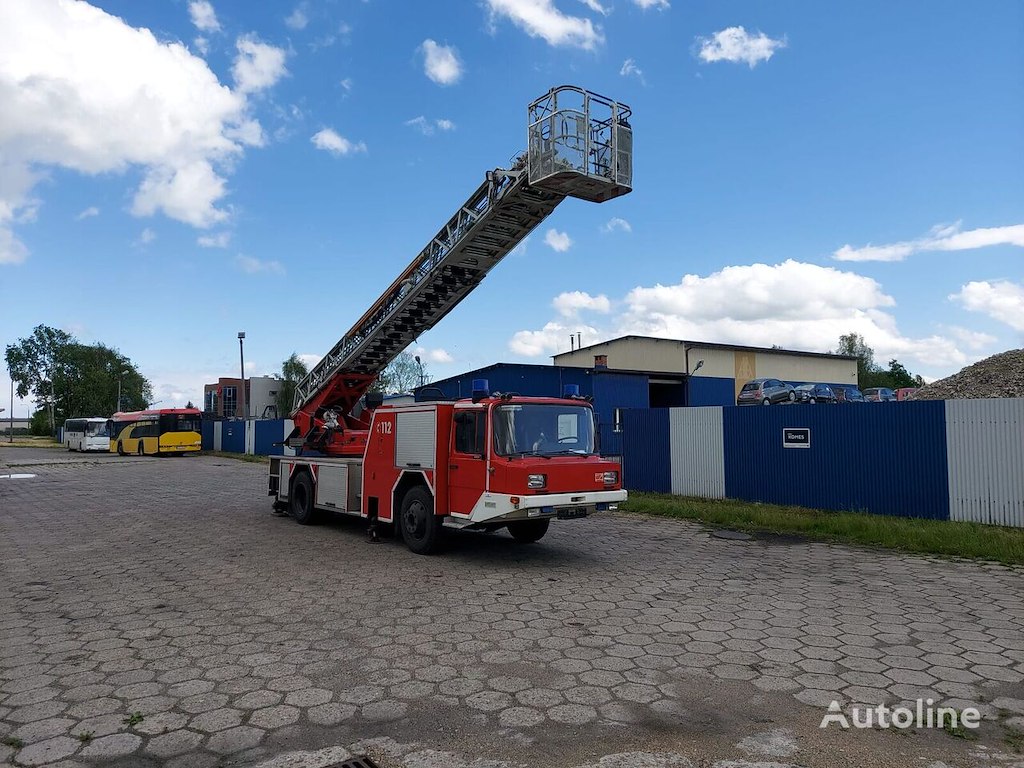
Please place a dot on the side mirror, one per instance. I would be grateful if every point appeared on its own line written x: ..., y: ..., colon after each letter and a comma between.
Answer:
x: 374, y: 400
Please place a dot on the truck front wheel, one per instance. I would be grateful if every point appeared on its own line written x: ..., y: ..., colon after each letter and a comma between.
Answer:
x: 303, y: 498
x: 528, y: 531
x: 421, y: 528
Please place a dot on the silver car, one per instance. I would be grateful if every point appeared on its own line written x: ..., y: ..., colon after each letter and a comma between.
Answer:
x: 766, y: 392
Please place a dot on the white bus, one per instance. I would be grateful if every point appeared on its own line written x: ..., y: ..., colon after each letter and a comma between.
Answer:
x: 86, y: 435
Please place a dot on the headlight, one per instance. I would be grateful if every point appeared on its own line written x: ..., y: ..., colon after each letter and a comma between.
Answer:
x: 536, y: 481
x: 611, y: 478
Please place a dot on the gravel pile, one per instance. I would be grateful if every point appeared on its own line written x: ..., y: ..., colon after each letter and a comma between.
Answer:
x: 1001, y: 375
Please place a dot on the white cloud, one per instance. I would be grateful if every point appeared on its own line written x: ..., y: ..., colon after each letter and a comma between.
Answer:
x: 551, y: 339
x: 254, y: 266
x: 630, y: 69
x: 187, y: 193
x: 540, y: 18
x: 735, y: 44
x: 973, y: 340
x: 437, y: 355
x: 441, y: 63
x: 299, y: 18
x: 570, y: 303
x: 203, y: 16
x: 792, y: 304
x: 429, y: 127
x: 146, y: 237
x: 559, y: 241
x: 943, y: 237
x: 310, y: 360
x: 88, y: 213
x: 12, y: 250
x: 258, y: 65
x: 616, y: 224
x: 219, y: 240
x: 347, y: 84
x: 1001, y: 300
x: 596, y: 7
x: 661, y: 5
x: 331, y: 141
x: 71, y: 103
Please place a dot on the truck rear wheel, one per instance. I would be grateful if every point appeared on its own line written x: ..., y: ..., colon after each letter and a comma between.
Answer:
x: 528, y: 531
x: 421, y: 528
x: 303, y: 498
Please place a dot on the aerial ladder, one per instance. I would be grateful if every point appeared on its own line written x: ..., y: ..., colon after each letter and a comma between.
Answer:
x: 579, y: 144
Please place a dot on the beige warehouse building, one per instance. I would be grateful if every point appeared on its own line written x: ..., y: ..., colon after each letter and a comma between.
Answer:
x: 715, y: 372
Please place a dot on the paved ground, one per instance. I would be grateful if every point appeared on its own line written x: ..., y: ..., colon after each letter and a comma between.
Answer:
x: 165, y: 587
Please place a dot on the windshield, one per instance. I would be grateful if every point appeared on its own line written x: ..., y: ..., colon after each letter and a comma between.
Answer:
x: 97, y: 429
x: 180, y: 422
x: 543, y: 430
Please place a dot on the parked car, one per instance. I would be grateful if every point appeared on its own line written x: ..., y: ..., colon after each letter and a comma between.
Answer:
x: 904, y: 392
x: 879, y: 395
x: 815, y: 393
x: 766, y: 392
x: 848, y: 395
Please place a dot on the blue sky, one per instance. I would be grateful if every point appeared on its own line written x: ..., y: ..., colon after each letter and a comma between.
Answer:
x: 172, y: 173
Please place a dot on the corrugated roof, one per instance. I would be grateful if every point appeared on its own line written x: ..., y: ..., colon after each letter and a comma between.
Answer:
x: 709, y: 345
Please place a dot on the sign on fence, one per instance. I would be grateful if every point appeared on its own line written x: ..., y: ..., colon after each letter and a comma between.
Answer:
x: 796, y: 437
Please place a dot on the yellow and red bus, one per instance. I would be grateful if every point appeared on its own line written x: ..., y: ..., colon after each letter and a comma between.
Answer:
x: 167, y: 431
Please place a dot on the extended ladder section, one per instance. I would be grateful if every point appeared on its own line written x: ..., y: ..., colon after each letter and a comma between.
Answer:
x: 580, y: 145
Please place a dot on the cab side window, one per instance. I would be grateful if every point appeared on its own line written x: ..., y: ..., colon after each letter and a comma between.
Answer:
x: 469, y: 432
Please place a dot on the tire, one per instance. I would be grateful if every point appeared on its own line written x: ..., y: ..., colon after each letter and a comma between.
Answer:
x: 421, y: 528
x: 792, y: 396
x: 812, y: 401
x: 302, y: 499
x: 766, y: 401
x: 528, y: 531
x: 120, y: 449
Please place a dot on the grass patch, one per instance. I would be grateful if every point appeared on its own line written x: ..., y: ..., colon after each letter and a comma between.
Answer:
x: 12, y: 741
x: 238, y: 457
x: 134, y: 719
x: 932, y: 537
x: 29, y: 441
x: 86, y: 736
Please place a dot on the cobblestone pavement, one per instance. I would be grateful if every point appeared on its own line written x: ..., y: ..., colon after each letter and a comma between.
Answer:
x: 154, y: 612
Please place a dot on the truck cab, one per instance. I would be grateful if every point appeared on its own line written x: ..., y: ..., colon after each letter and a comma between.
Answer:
x: 485, y: 464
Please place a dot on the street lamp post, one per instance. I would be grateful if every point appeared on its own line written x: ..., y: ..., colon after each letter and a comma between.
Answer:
x: 120, y: 376
x: 241, y: 357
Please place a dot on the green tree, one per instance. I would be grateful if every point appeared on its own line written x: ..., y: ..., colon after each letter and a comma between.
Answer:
x: 293, y: 371
x: 68, y: 379
x: 899, y: 376
x: 869, y: 373
x: 33, y: 364
x: 88, y: 383
x: 40, y: 423
x: 403, y: 374
x: 853, y: 344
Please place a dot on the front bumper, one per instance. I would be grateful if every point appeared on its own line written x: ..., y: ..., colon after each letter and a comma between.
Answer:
x: 498, y: 507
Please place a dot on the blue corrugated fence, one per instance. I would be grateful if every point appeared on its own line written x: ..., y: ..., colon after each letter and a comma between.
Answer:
x: 916, y: 459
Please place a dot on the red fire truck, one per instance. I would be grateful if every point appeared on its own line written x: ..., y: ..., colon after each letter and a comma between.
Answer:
x: 498, y: 459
